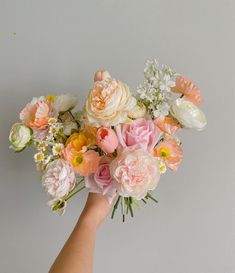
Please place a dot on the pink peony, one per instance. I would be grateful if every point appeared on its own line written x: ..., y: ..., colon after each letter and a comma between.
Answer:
x: 136, y: 172
x: 107, y: 139
x: 102, y: 182
x: 59, y: 178
x: 37, y: 113
x: 188, y: 89
x: 140, y: 133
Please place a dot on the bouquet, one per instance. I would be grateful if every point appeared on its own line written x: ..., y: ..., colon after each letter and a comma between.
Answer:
x: 118, y: 145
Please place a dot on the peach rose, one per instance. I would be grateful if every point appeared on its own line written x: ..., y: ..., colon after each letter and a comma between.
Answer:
x: 108, y: 103
x: 136, y: 172
x: 188, y: 89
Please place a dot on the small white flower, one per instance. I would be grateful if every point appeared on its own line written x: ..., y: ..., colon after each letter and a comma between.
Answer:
x: 39, y: 157
x: 52, y: 121
x: 41, y: 146
x: 162, y: 166
x: 57, y: 148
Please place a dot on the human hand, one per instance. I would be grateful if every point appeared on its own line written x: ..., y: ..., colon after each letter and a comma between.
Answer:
x: 96, y: 209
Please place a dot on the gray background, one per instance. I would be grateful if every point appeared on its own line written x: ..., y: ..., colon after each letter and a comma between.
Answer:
x: 55, y: 46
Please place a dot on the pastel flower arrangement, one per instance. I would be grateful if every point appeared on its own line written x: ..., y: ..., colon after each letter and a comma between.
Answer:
x: 118, y: 145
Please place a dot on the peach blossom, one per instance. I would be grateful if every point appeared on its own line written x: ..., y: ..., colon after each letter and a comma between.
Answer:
x: 167, y: 125
x: 37, y: 113
x: 188, y: 89
x: 107, y: 139
x: 170, y: 151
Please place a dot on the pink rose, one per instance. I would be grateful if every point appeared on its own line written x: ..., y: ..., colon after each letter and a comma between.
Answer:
x: 102, y: 182
x: 142, y: 133
x: 107, y: 140
x: 136, y: 172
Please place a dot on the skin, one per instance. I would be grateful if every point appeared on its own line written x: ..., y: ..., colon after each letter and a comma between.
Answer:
x: 77, y: 254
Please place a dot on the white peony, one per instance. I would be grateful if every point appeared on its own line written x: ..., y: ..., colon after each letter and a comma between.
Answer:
x: 64, y: 103
x: 19, y: 137
x: 188, y: 114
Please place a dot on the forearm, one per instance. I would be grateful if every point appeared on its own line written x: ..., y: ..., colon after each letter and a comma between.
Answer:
x: 77, y: 254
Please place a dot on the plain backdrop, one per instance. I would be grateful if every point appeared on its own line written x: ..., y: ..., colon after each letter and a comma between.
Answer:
x: 55, y: 46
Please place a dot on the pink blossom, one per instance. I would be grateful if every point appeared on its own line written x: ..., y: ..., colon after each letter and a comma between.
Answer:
x: 102, y: 182
x: 107, y: 139
x: 142, y: 133
x: 136, y: 172
x: 59, y: 178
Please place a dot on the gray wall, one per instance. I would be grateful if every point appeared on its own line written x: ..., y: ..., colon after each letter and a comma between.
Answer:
x: 54, y: 47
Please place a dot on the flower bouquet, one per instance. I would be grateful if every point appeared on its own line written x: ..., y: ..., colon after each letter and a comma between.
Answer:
x: 118, y: 145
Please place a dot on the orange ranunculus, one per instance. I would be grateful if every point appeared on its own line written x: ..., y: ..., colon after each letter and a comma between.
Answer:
x: 188, y: 89
x: 83, y: 161
x: 167, y: 125
x: 170, y: 151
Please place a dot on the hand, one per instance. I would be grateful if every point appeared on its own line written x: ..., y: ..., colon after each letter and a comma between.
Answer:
x: 96, y: 209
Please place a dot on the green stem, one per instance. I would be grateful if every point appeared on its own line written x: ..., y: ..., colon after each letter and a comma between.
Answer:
x: 115, y: 206
x: 73, y: 193
x: 122, y: 207
x: 130, y: 206
x: 151, y: 197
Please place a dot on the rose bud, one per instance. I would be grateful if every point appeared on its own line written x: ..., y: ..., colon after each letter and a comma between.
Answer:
x: 107, y: 139
x: 101, y: 75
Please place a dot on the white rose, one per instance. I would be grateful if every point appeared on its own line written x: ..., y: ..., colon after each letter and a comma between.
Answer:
x: 68, y: 126
x: 108, y: 103
x: 188, y: 114
x: 64, y: 103
x: 138, y: 111
x: 19, y: 137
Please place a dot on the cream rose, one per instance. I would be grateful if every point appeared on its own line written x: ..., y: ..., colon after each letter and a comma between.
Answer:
x: 108, y: 103
x: 188, y: 114
x: 19, y: 137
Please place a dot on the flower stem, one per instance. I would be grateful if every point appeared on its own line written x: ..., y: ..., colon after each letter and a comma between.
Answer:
x: 151, y: 197
x: 72, y: 193
x: 115, y: 206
